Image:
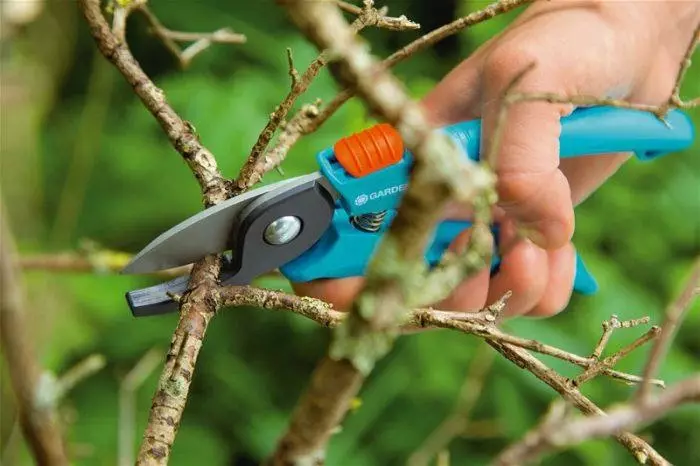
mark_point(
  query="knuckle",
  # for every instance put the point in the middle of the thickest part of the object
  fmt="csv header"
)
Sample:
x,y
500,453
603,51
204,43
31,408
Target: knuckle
x,y
538,200
508,59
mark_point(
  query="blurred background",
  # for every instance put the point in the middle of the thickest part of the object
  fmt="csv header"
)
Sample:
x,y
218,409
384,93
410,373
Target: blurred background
x,y
85,166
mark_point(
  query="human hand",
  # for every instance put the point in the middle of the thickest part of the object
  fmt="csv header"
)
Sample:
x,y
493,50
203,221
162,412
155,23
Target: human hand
x,y
616,49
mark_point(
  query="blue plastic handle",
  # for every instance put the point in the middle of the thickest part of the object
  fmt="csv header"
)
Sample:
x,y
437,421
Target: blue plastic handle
x,y
344,251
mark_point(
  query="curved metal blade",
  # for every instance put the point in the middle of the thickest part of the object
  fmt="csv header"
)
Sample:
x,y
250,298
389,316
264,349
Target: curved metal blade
x,y
207,232
305,198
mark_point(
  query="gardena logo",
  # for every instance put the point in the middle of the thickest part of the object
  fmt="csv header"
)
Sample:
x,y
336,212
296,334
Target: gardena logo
x,y
363,198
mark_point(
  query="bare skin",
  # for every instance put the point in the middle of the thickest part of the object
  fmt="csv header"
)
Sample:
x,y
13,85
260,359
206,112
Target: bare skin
x,y
629,50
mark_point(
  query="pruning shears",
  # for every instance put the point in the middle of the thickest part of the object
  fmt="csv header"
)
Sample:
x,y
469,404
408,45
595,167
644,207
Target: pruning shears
x,y
327,224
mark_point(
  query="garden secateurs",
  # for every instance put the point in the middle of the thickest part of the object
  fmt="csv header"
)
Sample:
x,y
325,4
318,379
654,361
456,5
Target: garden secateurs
x,y
327,224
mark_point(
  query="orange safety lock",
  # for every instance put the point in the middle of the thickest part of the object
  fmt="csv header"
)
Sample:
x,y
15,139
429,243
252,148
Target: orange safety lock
x,y
370,150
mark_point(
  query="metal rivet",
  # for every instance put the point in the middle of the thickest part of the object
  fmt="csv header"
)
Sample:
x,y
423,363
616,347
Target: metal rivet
x,y
282,230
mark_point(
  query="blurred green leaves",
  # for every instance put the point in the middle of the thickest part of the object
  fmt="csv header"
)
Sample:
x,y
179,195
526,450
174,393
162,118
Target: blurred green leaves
x,y
638,234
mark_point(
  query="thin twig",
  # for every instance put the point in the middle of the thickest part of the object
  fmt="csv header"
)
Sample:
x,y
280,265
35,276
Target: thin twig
x,y
258,162
323,313
609,326
660,111
121,14
675,313
290,134
480,324
180,133
76,374
422,43
641,450
293,73
102,261
492,333
597,367
34,389
220,36
563,431
202,40
675,99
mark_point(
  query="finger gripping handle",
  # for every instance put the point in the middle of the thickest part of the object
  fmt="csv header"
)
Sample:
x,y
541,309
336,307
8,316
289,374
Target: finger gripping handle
x,y
344,251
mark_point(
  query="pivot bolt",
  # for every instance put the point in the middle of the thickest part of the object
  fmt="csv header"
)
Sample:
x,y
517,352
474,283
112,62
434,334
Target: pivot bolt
x,y
282,230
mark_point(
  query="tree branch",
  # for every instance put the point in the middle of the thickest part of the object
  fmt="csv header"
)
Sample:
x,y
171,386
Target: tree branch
x,y
480,324
76,374
32,386
197,307
641,450
201,40
597,367
673,101
101,261
440,172
420,44
564,431
180,133
259,161
200,302
675,313
323,313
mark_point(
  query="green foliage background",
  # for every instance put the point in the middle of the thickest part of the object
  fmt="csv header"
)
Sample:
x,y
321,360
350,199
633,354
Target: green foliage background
x,y
81,158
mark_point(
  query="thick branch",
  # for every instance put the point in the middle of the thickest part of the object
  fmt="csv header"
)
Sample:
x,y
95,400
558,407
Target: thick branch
x,y
36,408
197,307
199,304
180,133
